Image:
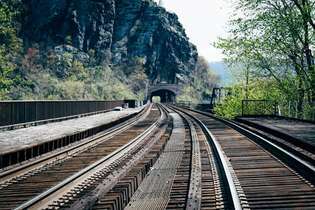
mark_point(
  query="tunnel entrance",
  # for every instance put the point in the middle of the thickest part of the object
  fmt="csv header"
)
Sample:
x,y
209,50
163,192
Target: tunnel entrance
x,y
166,96
156,99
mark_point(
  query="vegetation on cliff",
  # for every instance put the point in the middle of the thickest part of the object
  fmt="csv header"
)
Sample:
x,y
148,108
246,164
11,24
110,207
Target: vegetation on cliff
x,y
68,53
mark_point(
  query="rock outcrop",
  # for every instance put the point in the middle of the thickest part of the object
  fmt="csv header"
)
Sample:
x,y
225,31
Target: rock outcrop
x,y
117,30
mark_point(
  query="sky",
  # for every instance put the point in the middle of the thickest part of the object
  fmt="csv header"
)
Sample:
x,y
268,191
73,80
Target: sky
x,y
204,21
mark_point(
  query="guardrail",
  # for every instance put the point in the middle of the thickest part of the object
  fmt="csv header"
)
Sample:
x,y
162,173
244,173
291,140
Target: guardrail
x,y
18,112
272,108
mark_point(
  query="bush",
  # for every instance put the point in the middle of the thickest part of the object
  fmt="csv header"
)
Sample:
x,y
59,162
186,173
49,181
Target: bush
x,y
263,89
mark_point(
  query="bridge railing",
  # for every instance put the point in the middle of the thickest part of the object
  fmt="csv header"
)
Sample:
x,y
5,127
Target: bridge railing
x,y
18,112
288,109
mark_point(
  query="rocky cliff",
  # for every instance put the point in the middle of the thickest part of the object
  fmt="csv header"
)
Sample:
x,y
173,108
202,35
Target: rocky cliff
x,y
117,30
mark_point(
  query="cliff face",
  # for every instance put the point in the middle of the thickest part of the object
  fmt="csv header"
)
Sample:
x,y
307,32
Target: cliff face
x,y
118,31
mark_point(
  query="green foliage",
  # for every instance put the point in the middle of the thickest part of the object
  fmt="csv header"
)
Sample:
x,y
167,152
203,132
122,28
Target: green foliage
x,y
98,82
30,72
263,89
232,105
272,42
78,71
133,74
5,73
104,84
138,81
8,32
9,49
188,93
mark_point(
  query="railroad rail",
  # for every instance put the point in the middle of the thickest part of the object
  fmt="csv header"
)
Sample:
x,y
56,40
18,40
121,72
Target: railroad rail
x,y
188,175
291,154
114,128
40,179
226,191
262,169
297,145
166,158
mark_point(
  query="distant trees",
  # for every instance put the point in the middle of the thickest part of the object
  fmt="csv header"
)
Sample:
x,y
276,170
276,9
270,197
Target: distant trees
x,y
10,46
274,40
204,79
200,84
51,76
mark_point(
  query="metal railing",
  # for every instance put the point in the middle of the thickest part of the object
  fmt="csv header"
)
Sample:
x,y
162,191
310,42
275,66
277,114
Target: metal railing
x,y
288,109
18,112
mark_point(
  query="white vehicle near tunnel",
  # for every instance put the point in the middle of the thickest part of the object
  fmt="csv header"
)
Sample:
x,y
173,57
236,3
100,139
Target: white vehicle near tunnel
x,y
118,108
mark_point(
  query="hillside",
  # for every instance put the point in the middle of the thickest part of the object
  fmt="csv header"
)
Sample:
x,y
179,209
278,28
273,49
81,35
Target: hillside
x,y
79,49
118,31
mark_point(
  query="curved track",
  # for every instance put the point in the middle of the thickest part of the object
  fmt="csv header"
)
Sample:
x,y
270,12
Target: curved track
x,y
266,181
16,192
190,174
171,158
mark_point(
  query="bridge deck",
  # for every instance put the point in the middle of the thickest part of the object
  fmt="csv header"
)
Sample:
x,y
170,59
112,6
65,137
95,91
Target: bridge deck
x,y
302,130
15,140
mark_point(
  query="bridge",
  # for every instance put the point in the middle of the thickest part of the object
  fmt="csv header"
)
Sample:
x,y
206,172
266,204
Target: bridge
x,y
167,92
87,155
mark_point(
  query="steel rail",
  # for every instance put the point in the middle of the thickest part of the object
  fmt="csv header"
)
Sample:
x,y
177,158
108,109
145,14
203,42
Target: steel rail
x,y
94,139
194,195
222,161
99,191
193,201
309,166
119,152
293,160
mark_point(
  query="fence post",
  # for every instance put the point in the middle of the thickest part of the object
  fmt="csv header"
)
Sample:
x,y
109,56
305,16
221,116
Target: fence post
x,y
242,107
296,111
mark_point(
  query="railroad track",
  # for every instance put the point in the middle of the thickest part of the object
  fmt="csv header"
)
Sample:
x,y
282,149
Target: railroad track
x,y
73,146
188,175
262,179
299,147
172,159
210,180
28,188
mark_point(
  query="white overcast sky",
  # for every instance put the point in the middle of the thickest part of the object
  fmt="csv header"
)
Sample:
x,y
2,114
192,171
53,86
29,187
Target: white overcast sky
x,y
204,21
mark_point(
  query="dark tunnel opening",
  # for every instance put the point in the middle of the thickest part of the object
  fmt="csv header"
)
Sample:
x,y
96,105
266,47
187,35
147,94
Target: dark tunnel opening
x,y
166,96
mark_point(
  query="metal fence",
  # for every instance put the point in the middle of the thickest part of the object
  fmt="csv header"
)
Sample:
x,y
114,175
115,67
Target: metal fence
x,y
16,112
268,107
290,109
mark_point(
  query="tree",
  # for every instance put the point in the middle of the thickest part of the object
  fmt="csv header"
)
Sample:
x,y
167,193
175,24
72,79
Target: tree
x,y
204,79
272,39
9,48
138,82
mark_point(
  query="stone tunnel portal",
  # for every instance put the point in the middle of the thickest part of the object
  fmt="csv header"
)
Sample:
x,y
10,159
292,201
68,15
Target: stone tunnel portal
x,y
166,96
